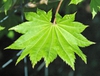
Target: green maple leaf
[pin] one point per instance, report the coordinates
(1, 28)
(43, 39)
(95, 6)
(75, 1)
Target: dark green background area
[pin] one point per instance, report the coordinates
(58, 67)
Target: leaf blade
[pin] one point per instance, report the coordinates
(43, 39)
(1, 28)
(75, 1)
(95, 7)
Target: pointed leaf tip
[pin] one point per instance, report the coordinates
(95, 7)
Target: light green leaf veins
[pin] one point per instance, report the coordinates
(43, 39)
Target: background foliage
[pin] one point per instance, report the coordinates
(13, 14)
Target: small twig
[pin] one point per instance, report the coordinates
(57, 10)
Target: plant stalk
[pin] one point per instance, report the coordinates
(57, 10)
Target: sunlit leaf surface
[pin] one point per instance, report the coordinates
(75, 1)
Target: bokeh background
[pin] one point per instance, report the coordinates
(58, 67)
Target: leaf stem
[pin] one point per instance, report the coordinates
(57, 10)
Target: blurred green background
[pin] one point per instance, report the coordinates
(15, 16)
